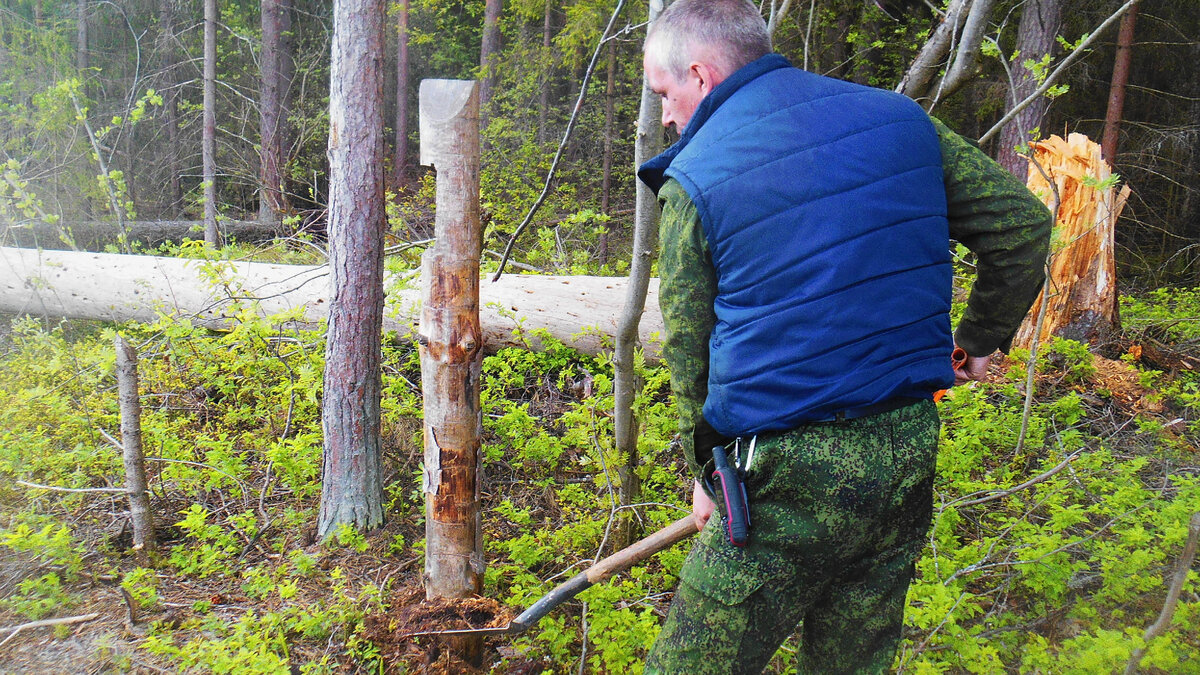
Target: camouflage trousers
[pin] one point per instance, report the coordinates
(839, 512)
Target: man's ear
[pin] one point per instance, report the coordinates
(706, 76)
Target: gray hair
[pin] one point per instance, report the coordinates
(730, 32)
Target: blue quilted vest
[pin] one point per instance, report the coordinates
(824, 207)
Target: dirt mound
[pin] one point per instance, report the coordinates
(408, 613)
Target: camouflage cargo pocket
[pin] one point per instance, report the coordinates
(728, 577)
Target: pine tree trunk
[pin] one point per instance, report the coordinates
(401, 161)
(82, 58)
(1116, 90)
(1036, 36)
(548, 82)
(610, 95)
(489, 52)
(168, 61)
(579, 311)
(352, 483)
(270, 108)
(208, 143)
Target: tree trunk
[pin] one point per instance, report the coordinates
(352, 482)
(1040, 23)
(489, 52)
(579, 311)
(626, 382)
(610, 95)
(548, 82)
(168, 62)
(270, 108)
(131, 439)
(1116, 90)
(918, 80)
(401, 162)
(451, 348)
(208, 142)
(1082, 304)
(82, 59)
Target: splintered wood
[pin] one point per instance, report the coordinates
(1082, 300)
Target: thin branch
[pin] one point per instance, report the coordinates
(1031, 365)
(1168, 609)
(1052, 78)
(1000, 494)
(562, 146)
(776, 15)
(55, 488)
(47, 622)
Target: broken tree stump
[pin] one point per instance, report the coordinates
(1081, 302)
(451, 342)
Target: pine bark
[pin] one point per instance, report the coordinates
(208, 141)
(1116, 89)
(82, 55)
(452, 343)
(1036, 37)
(548, 82)
(402, 87)
(489, 52)
(610, 95)
(168, 60)
(352, 483)
(270, 106)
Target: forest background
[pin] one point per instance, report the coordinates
(102, 120)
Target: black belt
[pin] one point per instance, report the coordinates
(869, 410)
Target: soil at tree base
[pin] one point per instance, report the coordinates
(409, 612)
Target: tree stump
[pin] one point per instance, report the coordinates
(1081, 300)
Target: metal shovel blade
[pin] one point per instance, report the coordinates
(598, 573)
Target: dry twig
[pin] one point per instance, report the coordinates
(1168, 610)
(61, 621)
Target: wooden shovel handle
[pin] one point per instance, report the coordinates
(623, 559)
(640, 550)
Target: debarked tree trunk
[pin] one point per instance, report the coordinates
(580, 311)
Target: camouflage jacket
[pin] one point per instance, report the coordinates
(990, 212)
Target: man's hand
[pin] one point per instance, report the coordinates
(702, 505)
(974, 369)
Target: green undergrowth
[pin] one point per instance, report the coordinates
(1063, 574)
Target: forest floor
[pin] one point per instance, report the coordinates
(240, 584)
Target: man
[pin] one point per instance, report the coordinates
(805, 284)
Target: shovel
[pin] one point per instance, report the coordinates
(598, 573)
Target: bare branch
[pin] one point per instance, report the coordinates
(1053, 77)
(47, 622)
(916, 80)
(55, 488)
(966, 61)
(1168, 610)
(562, 146)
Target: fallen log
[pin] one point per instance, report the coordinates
(95, 235)
(581, 311)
